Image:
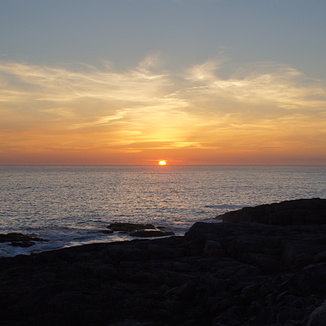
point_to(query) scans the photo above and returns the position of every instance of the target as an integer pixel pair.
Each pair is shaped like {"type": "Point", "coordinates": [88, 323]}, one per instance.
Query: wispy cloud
{"type": "Point", "coordinates": [265, 106]}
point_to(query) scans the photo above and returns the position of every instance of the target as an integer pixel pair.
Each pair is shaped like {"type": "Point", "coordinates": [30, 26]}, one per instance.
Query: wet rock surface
{"type": "Point", "coordinates": [217, 274]}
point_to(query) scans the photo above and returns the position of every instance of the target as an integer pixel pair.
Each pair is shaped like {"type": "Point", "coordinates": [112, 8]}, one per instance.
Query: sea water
{"type": "Point", "coordinates": [72, 205]}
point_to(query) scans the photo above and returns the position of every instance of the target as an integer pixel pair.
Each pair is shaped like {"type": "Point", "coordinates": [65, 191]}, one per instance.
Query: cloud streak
{"type": "Point", "coordinates": [265, 108]}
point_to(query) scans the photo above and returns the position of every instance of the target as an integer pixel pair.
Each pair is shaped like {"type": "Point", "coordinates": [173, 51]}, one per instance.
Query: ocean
{"type": "Point", "coordinates": [72, 205]}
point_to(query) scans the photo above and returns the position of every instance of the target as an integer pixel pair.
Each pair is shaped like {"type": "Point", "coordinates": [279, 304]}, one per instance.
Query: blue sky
{"type": "Point", "coordinates": [234, 71]}
{"type": "Point", "coordinates": [183, 32]}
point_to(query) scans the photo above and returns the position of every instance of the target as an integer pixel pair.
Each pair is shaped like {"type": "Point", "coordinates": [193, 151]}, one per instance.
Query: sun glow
{"type": "Point", "coordinates": [162, 163]}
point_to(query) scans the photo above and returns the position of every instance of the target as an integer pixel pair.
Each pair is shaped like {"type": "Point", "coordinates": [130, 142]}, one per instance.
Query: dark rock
{"type": "Point", "coordinates": [19, 239]}
{"type": "Point", "coordinates": [318, 316]}
{"type": "Point", "coordinates": [108, 231]}
{"type": "Point", "coordinates": [151, 233]}
{"type": "Point", "coordinates": [22, 244]}
{"type": "Point", "coordinates": [139, 230]}
{"type": "Point", "coordinates": [217, 274]}
{"type": "Point", "coordinates": [129, 227]}
{"type": "Point", "coordinates": [292, 212]}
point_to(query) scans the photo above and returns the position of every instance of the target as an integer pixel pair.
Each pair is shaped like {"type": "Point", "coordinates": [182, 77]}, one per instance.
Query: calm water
{"type": "Point", "coordinates": [70, 205]}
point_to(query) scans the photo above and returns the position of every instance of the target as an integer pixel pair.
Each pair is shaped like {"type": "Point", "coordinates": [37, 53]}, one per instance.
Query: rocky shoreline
{"type": "Point", "coordinates": [267, 267]}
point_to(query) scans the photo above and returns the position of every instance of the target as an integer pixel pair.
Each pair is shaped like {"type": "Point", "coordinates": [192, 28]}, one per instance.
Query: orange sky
{"type": "Point", "coordinates": [270, 114]}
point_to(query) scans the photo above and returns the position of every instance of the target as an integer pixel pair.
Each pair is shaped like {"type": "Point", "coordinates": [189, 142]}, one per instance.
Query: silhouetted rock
{"type": "Point", "coordinates": [129, 227]}
{"type": "Point", "coordinates": [292, 212]}
{"type": "Point", "coordinates": [23, 244]}
{"type": "Point", "coordinates": [19, 239]}
{"type": "Point", "coordinates": [139, 230]}
{"type": "Point", "coordinates": [247, 274]}
{"type": "Point", "coordinates": [151, 233]}
{"type": "Point", "coordinates": [318, 316]}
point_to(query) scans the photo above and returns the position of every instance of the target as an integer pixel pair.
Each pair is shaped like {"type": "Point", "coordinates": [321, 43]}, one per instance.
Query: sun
{"type": "Point", "coordinates": [162, 162]}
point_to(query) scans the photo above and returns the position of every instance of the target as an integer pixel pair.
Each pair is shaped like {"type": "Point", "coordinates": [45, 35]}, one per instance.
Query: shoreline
{"type": "Point", "coordinates": [27, 243]}
{"type": "Point", "coordinates": [240, 273]}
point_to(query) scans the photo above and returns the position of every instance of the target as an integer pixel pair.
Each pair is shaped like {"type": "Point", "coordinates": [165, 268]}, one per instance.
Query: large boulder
{"type": "Point", "coordinates": [292, 212]}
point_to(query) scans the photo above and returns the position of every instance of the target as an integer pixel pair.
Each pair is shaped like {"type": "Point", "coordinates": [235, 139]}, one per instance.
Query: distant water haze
{"type": "Point", "coordinates": [71, 205]}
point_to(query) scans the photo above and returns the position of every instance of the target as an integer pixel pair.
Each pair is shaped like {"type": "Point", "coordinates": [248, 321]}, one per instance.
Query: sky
{"type": "Point", "coordinates": [133, 82]}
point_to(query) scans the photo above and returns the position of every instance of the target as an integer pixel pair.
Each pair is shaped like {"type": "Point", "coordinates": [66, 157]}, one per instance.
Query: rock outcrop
{"type": "Point", "coordinates": [217, 274]}
{"type": "Point", "coordinates": [139, 230]}
{"type": "Point", "coordinates": [292, 212]}
{"type": "Point", "coordinates": [19, 239]}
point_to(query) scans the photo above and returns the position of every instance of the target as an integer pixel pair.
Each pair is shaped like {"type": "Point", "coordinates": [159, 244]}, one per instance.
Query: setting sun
{"type": "Point", "coordinates": [162, 162]}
